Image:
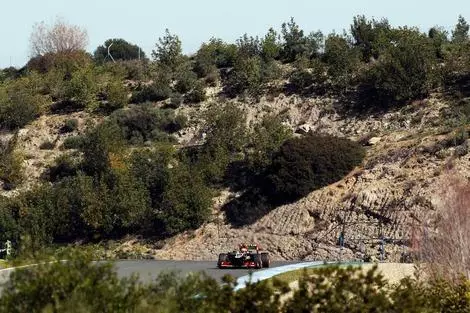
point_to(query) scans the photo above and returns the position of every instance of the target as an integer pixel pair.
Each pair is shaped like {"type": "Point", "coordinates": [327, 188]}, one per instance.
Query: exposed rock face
{"type": "Point", "coordinates": [390, 195]}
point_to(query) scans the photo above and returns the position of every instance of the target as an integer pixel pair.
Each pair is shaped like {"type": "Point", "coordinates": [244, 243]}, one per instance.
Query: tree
{"type": "Point", "coordinates": [60, 37]}
{"type": "Point", "coordinates": [460, 32]}
{"type": "Point", "coordinates": [120, 50]}
{"type": "Point", "coordinates": [168, 51]}
{"type": "Point", "coordinates": [405, 70]}
{"type": "Point", "coordinates": [296, 44]}
{"type": "Point", "coordinates": [342, 59]}
{"type": "Point", "coordinates": [270, 46]}
{"type": "Point", "coordinates": [368, 34]}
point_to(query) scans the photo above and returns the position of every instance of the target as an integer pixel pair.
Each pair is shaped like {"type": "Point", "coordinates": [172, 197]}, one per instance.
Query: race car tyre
{"type": "Point", "coordinates": [222, 258]}
{"type": "Point", "coordinates": [257, 260]}
{"type": "Point", "coordinates": [265, 261]}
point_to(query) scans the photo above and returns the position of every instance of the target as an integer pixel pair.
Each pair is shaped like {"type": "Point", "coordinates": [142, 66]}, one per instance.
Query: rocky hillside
{"type": "Point", "coordinates": [408, 152]}
{"type": "Point", "coordinates": [392, 193]}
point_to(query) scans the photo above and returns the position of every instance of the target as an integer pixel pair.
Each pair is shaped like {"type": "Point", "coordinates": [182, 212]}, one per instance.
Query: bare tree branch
{"type": "Point", "coordinates": [446, 247]}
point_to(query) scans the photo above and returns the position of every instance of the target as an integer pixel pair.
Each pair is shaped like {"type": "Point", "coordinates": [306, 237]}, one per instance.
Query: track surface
{"type": "Point", "coordinates": [148, 270]}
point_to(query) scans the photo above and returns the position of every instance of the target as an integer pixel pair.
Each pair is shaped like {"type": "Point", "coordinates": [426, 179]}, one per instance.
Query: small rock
{"type": "Point", "coordinates": [374, 140]}
{"type": "Point", "coordinates": [303, 129]}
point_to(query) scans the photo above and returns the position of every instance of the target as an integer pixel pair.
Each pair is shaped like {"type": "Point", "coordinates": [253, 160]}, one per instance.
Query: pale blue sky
{"type": "Point", "coordinates": [194, 21]}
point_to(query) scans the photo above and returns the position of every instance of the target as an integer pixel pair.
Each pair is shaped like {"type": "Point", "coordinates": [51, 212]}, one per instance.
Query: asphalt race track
{"type": "Point", "coordinates": [148, 270]}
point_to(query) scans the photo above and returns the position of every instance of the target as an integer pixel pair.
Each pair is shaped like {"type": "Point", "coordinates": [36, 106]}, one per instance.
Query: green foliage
{"type": "Point", "coordinates": [142, 123]}
{"type": "Point", "coordinates": [120, 50]}
{"type": "Point", "coordinates": [11, 168]}
{"type": "Point", "coordinates": [270, 46]}
{"type": "Point", "coordinates": [76, 285]}
{"type": "Point", "coordinates": [213, 55]}
{"type": "Point", "coordinates": [158, 91]}
{"type": "Point", "coordinates": [186, 79]}
{"type": "Point", "coordinates": [341, 58]}
{"type": "Point", "coordinates": [73, 142]}
{"type": "Point", "coordinates": [267, 137]}
{"type": "Point", "coordinates": [460, 32]}
{"type": "Point", "coordinates": [296, 44]}
{"type": "Point", "coordinates": [47, 145]}
{"type": "Point", "coordinates": [20, 102]}
{"type": "Point", "coordinates": [79, 285]}
{"type": "Point", "coordinates": [168, 51]}
{"type": "Point", "coordinates": [80, 91]}
{"type": "Point", "coordinates": [66, 62]}
{"type": "Point", "coordinates": [196, 94]}
{"type": "Point", "coordinates": [100, 145]}
{"type": "Point", "coordinates": [248, 46]}
{"type": "Point", "coordinates": [114, 96]}
{"type": "Point", "coordinates": [65, 165]}
{"type": "Point", "coordinates": [308, 163]}
{"type": "Point", "coordinates": [405, 70]}
{"type": "Point", "coordinates": [70, 125]}
{"type": "Point", "coordinates": [151, 168]}
{"type": "Point", "coordinates": [186, 201]}
{"type": "Point", "coordinates": [369, 36]}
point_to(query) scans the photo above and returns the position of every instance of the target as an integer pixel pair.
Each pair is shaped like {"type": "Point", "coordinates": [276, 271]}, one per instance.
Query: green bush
{"type": "Point", "coordinates": [185, 80]}
{"type": "Point", "coordinates": [143, 123]}
{"type": "Point", "coordinates": [20, 102]}
{"type": "Point", "coordinates": [212, 55]}
{"type": "Point", "coordinates": [101, 146]}
{"type": "Point", "coordinates": [404, 72]}
{"type": "Point", "coordinates": [308, 163]}
{"type": "Point", "coordinates": [11, 167]}
{"type": "Point", "coordinates": [79, 92]}
{"type": "Point", "coordinates": [121, 50]}
{"type": "Point", "coordinates": [73, 142]}
{"type": "Point", "coordinates": [67, 62]}
{"type": "Point", "coordinates": [47, 145]}
{"type": "Point", "coordinates": [64, 166]}
{"type": "Point", "coordinates": [197, 94]}
{"type": "Point", "coordinates": [69, 126]}
{"type": "Point", "coordinates": [115, 96]}
{"type": "Point", "coordinates": [151, 168]}
{"type": "Point", "coordinates": [157, 91]}
{"type": "Point", "coordinates": [296, 44]}
{"type": "Point", "coordinates": [185, 203]}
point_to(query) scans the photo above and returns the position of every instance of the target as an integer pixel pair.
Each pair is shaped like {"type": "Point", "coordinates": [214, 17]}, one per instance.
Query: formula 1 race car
{"type": "Point", "coordinates": [248, 256]}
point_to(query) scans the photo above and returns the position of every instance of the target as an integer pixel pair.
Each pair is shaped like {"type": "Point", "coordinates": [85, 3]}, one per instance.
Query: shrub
{"type": "Point", "coordinates": [120, 50]}
{"type": "Point", "coordinates": [64, 166]}
{"type": "Point", "coordinates": [47, 145]}
{"type": "Point", "coordinates": [150, 167]}
{"type": "Point", "coordinates": [308, 163]}
{"type": "Point", "coordinates": [404, 72]}
{"type": "Point", "coordinates": [197, 94]}
{"type": "Point", "coordinates": [73, 142]}
{"type": "Point", "coordinates": [157, 91]}
{"type": "Point", "coordinates": [212, 55]}
{"type": "Point", "coordinates": [115, 96]}
{"type": "Point", "coordinates": [101, 146]}
{"type": "Point", "coordinates": [11, 163]}
{"type": "Point", "coordinates": [185, 80]}
{"type": "Point", "coordinates": [20, 102]}
{"type": "Point", "coordinates": [69, 126]}
{"type": "Point", "coordinates": [176, 100]}
{"type": "Point", "coordinates": [142, 123]}
{"type": "Point", "coordinates": [79, 92]}
{"type": "Point", "coordinates": [186, 201]}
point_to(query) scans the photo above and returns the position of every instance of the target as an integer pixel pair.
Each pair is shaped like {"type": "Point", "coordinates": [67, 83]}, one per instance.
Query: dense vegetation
{"type": "Point", "coordinates": [124, 175]}
{"type": "Point", "coordinates": [80, 286]}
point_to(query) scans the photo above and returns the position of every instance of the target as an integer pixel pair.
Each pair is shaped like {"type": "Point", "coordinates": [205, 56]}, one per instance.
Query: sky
{"type": "Point", "coordinates": [142, 22]}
